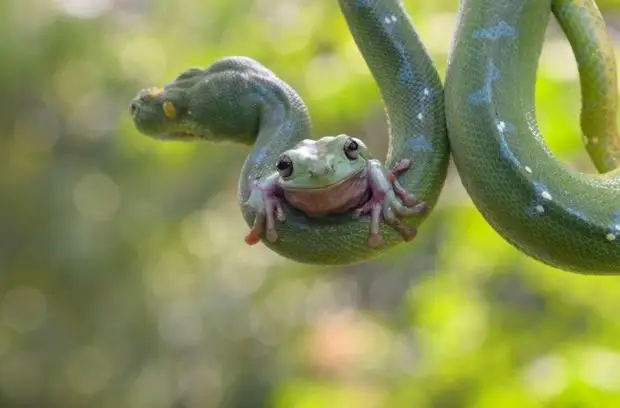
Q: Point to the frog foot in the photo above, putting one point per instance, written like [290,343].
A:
[268,207]
[390,201]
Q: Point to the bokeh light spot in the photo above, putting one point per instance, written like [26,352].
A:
[180,324]
[152,389]
[84,8]
[75,78]
[143,59]
[88,370]
[601,368]
[96,197]
[546,376]
[23,308]
[20,378]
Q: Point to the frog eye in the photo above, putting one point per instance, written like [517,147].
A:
[169,109]
[351,149]
[285,166]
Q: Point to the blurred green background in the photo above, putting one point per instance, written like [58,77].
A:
[125,281]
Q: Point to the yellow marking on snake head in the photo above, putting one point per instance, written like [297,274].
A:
[155,91]
[169,109]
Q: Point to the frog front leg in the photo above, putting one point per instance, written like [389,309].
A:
[389,201]
[267,205]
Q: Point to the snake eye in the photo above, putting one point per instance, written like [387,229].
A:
[285,166]
[351,149]
[169,109]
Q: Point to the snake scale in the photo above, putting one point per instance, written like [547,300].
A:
[561,217]
[484,116]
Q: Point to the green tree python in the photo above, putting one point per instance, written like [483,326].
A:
[238,99]
[321,201]
[561,217]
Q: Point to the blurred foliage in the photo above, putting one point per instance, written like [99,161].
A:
[124,278]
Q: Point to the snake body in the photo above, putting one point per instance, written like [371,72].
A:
[412,93]
[561,217]
[238,99]
[564,218]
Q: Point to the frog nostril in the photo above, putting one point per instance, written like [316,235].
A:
[319,171]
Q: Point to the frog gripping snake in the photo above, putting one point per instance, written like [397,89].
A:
[328,201]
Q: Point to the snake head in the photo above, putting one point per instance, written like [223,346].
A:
[163,113]
[224,102]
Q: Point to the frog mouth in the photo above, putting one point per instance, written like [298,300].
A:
[350,178]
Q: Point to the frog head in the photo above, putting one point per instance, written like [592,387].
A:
[322,163]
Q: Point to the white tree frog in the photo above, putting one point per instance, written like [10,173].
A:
[333,175]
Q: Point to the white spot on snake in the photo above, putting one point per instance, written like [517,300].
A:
[505,152]
[546,195]
[420,116]
[390,19]
[611,237]
[540,209]
[527,168]
[427,91]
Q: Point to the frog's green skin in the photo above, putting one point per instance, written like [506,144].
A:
[324,162]
[561,217]
[238,99]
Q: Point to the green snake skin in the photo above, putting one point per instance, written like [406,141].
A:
[561,217]
[566,219]
[237,99]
